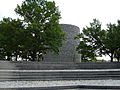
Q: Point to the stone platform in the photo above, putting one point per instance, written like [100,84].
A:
[59,76]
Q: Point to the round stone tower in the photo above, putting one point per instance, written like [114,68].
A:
[68,50]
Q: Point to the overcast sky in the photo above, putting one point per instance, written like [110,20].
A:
[76,12]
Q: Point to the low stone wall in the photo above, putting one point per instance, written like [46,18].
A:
[24,65]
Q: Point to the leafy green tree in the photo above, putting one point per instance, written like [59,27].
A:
[117,52]
[91,44]
[96,42]
[9,38]
[112,41]
[86,51]
[41,19]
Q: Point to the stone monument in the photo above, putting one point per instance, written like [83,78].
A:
[68,51]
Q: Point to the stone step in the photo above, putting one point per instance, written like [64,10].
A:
[57,75]
[55,65]
[75,87]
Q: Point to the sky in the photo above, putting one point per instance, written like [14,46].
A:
[75,12]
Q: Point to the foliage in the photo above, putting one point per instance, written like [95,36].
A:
[36,34]
[112,41]
[96,41]
[91,41]
[10,37]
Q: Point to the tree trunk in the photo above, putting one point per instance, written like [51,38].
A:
[118,59]
[16,57]
[33,55]
[9,57]
[111,58]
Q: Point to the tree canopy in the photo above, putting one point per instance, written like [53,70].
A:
[96,41]
[37,33]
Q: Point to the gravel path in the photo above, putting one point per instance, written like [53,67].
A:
[18,84]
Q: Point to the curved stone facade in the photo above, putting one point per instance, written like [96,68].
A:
[68,50]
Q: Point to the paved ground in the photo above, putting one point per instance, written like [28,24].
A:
[18,84]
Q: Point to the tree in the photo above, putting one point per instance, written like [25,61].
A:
[96,41]
[91,44]
[41,19]
[86,51]
[10,38]
[117,52]
[112,41]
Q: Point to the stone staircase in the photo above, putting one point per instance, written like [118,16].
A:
[37,71]
[34,75]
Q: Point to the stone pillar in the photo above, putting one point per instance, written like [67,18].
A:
[68,50]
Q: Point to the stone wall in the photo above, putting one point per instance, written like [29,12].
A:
[68,50]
